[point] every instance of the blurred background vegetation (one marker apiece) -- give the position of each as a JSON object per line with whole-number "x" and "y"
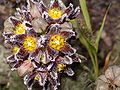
{"x": 108, "y": 52}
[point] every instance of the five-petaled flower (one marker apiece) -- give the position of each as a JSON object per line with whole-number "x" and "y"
{"x": 57, "y": 42}
{"x": 57, "y": 13}
{"x": 26, "y": 46}
{"x": 21, "y": 24}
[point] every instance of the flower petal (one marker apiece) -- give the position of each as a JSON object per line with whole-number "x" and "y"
{"x": 54, "y": 73}
{"x": 42, "y": 78}
{"x": 69, "y": 72}
{"x": 55, "y": 4}
{"x": 69, "y": 9}
{"x": 49, "y": 66}
{"x": 31, "y": 33}
{"x": 34, "y": 54}
{"x": 15, "y": 21}
{"x": 67, "y": 49}
{"x": 62, "y": 19}
{"x": 27, "y": 16}
{"x": 11, "y": 58}
{"x": 13, "y": 43}
{"x": 36, "y": 64}
{"x": 29, "y": 80}
{"x": 7, "y": 35}
{"x": 55, "y": 29}
{"x": 42, "y": 7}
{"x": 17, "y": 65}
{"x": 19, "y": 37}
{"x": 74, "y": 13}
{"x": 48, "y": 19}
{"x": 51, "y": 53}
{"x": 22, "y": 54}
{"x": 54, "y": 82}
{"x": 67, "y": 34}
{"x": 65, "y": 60}
{"x": 76, "y": 58}
{"x": 39, "y": 66}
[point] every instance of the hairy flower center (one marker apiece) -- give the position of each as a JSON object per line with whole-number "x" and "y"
{"x": 61, "y": 67}
{"x": 20, "y": 29}
{"x": 15, "y": 49}
{"x": 55, "y": 13}
{"x": 30, "y": 43}
{"x": 57, "y": 42}
{"x": 36, "y": 78}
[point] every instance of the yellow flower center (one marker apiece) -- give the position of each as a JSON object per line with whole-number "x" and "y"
{"x": 30, "y": 43}
{"x": 55, "y": 13}
{"x": 20, "y": 29}
{"x": 57, "y": 42}
{"x": 15, "y": 49}
{"x": 36, "y": 78}
{"x": 61, "y": 67}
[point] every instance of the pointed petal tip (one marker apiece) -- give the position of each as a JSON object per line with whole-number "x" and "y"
{"x": 67, "y": 49}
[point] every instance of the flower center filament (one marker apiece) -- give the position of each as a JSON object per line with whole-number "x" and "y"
{"x": 61, "y": 67}
{"x": 20, "y": 29}
{"x": 36, "y": 78}
{"x": 57, "y": 42}
{"x": 30, "y": 43}
{"x": 55, "y": 13}
{"x": 15, "y": 49}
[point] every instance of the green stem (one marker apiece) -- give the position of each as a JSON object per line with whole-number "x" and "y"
{"x": 94, "y": 60}
{"x": 92, "y": 52}
{"x": 93, "y": 55}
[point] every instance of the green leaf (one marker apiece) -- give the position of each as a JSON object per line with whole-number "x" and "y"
{"x": 101, "y": 28}
{"x": 85, "y": 14}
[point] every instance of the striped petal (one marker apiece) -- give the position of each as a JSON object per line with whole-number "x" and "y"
{"x": 42, "y": 7}
{"x": 29, "y": 80}
{"x": 55, "y": 4}
{"x": 69, "y": 72}
{"x": 15, "y": 21}
{"x": 8, "y": 35}
{"x": 19, "y": 37}
{"x": 74, "y": 13}
{"x": 13, "y": 43}
{"x": 34, "y": 55}
{"x": 31, "y": 33}
{"x": 17, "y": 65}
{"x": 42, "y": 78}
{"x": 22, "y": 54}
{"x": 67, "y": 49}
{"x": 11, "y": 59}
{"x": 52, "y": 53}
{"x": 55, "y": 29}
{"x": 67, "y": 34}
{"x": 65, "y": 60}
{"x": 69, "y": 9}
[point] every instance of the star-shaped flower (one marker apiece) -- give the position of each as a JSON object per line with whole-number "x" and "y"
{"x": 57, "y": 12}
{"x": 26, "y": 46}
{"x": 57, "y": 42}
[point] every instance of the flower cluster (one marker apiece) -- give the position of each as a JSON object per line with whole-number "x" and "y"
{"x": 41, "y": 57}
